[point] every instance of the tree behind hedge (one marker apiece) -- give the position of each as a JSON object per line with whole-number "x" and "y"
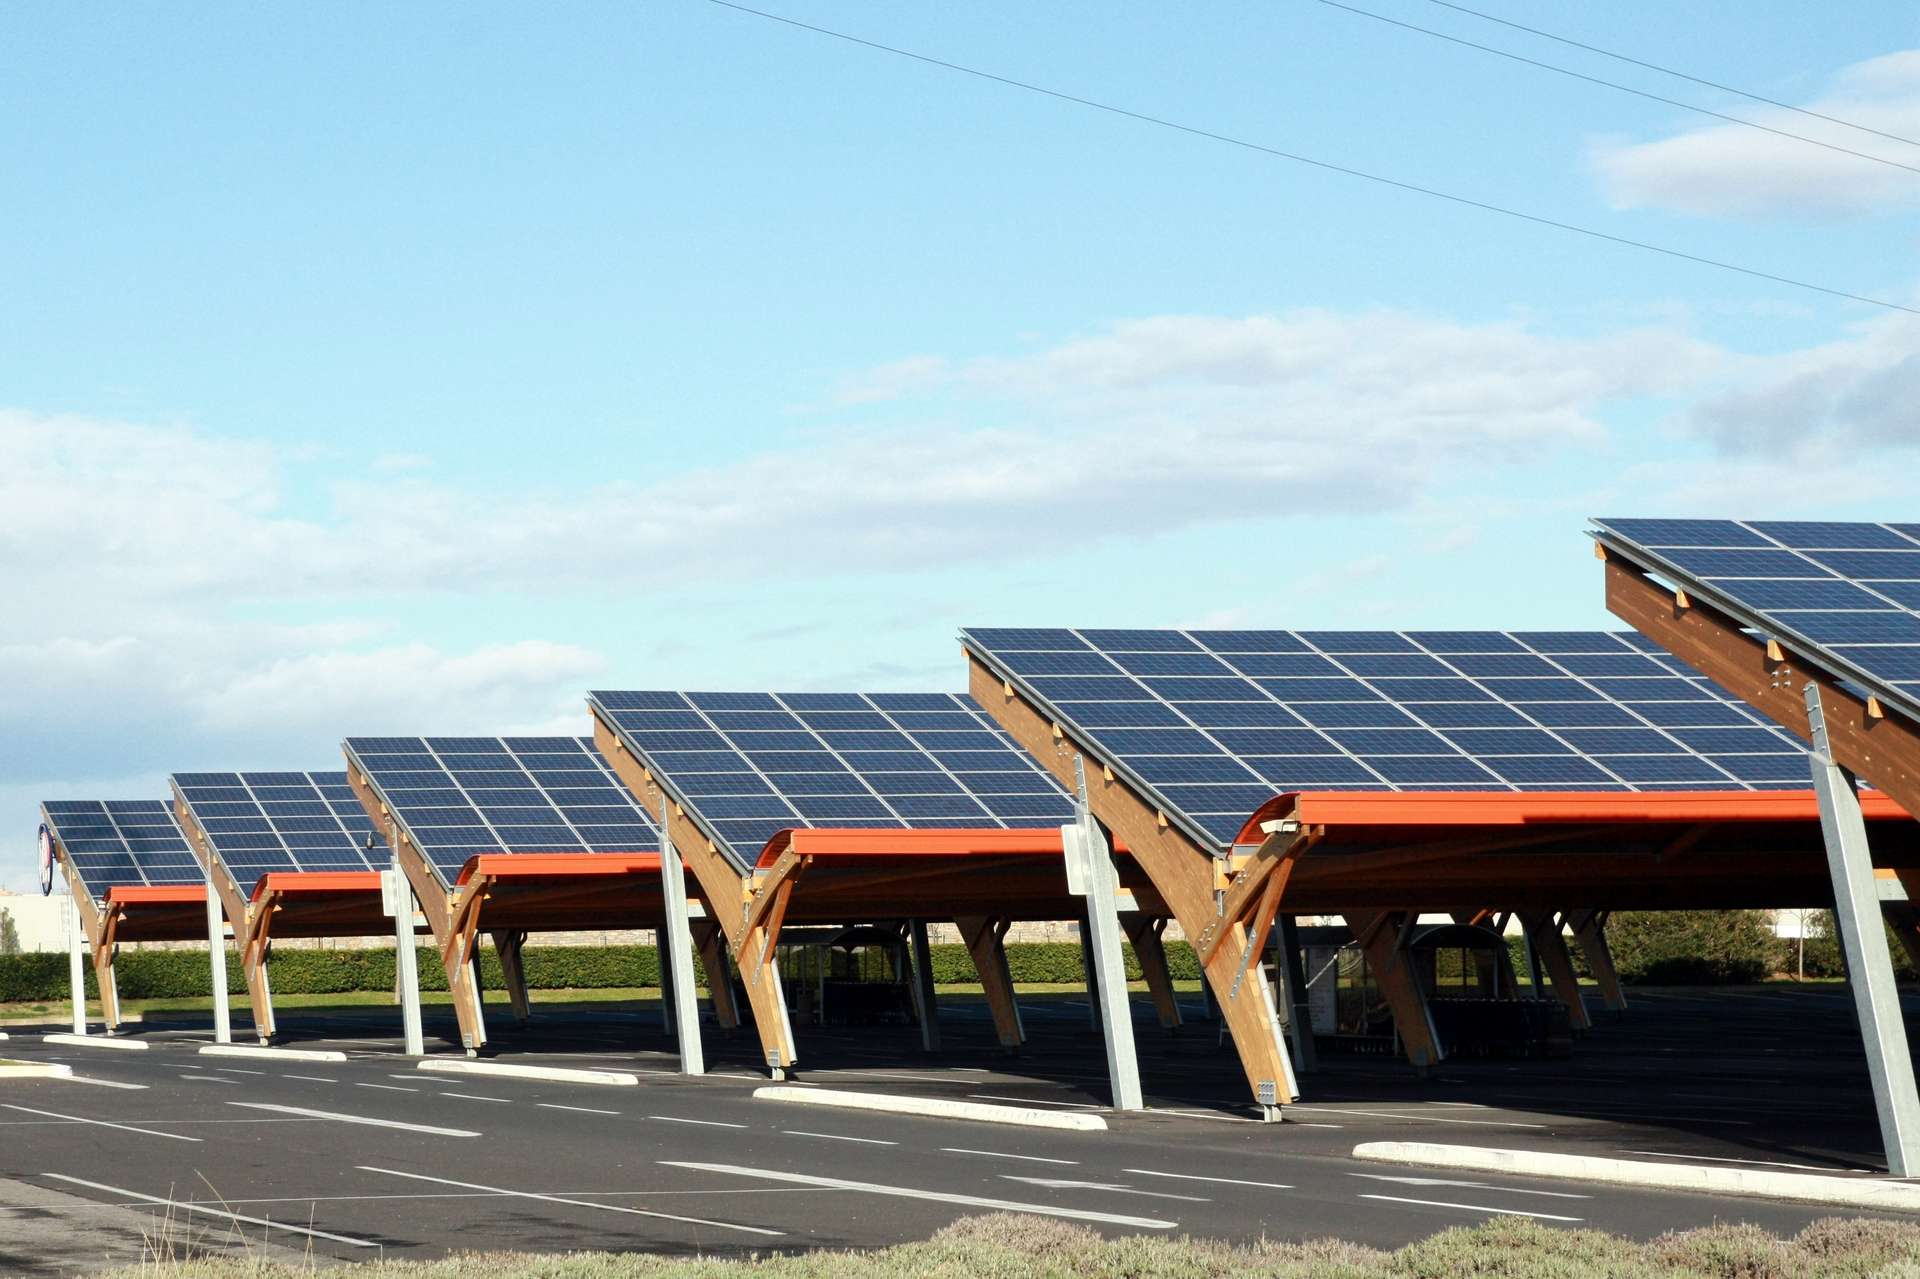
{"x": 1693, "y": 947}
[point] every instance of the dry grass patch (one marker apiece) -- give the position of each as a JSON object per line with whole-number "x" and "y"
{"x": 1006, "y": 1246}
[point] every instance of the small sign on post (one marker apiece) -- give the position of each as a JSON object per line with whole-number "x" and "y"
{"x": 388, "y": 896}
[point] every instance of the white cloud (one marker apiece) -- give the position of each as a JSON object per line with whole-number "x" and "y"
{"x": 1731, "y": 170}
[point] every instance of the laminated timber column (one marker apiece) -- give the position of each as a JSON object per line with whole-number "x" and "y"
{"x": 1185, "y": 875}
{"x": 1149, "y": 947}
{"x": 709, "y": 940}
{"x": 1590, "y": 932}
{"x": 240, "y": 914}
{"x": 1544, "y": 932}
{"x": 727, "y": 893}
{"x": 986, "y": 941}
{"x": 508, "y": 944}
{"x": 1380, "y": 941}
{"x": 436, "y": 903}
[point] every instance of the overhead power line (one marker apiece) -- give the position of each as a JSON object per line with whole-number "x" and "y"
{"x": 1622, "y": 88}
{"x": 1327, "y": 165}
{"x": 1680, "y": 75}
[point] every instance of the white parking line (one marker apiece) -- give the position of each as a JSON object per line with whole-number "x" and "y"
{"x": 208, "y": 1079}
{"x": 1224, "y": 1181}
{"x": 933, "y": 1196}
{"x": 470, "y": 1096}
{"x": 1001, "y": 1154}
{"x": 367, "y": 1120}
{"x": 585, "y": 1110}
{"x": 313, "y": 1079}
{"x": 99, "y": 1123}
{"x": 172, "y": 1205}
{"x": 1110, "y": 1187}
{"x": 834, "y": 1136}
{"x": 235, "y": 1070}
{"x": 575, "y": 1203}
{"x": 1505, "y": 1212}
{"x": 101, "y": 1083}
{"x": 387, "y": 1087}
{"x": 1423, "y": 1119}
{"x": 705, "y": 1123}
{"x": 1465, "y": 1185}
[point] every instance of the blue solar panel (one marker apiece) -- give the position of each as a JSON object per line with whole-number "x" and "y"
{"x": 457, "y": 798}
{"x": 287, "y": 822}
{"x": 1844, "y": 596}
{"x": 1548, "y": 710}
{"x": 122, "y": 843}
{"x": 934, "y": 761}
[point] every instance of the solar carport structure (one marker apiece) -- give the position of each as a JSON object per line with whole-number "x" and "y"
{"x": 1380, "y": 774}
{"x": 851, "y": 807}
{"x": 1817, "y": 625}
{"x": 504, "y": 835}
{"x": 288, "y": 855}
{"x": 131, "y": 877}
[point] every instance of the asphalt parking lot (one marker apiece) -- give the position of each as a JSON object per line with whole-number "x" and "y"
{"x": 370, "y": 1156}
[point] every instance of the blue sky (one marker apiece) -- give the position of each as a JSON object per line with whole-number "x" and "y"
{"x": 370, "y": 369}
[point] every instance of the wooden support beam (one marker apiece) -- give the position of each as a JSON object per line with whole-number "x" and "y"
{"x": 255, "y": 937}
{"x": 1882, "y": 749}
{"x": 1550, "y": 946}
{"x": 1379, "y": 937}
{"x": 508, "y": 944}
{"x": 238, "y": 911}
{"x": 709, "y": 940}
{"x": 723, "y": 887}
{"x": 102, "y": 952}
{"x": 1149, "y": 947}
{"x": 1259, "y": 881}
{"x": 1590, "y": 932}
{"x": 985, "y": 939}
{"x": 1183, "y": 874}
{"x": 458, "y": 956}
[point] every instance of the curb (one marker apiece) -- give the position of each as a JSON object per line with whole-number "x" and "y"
{"x": 558, "y": 1074}
{"x": 97, "y": 1041}
{"x": 288, "y": 1054}
{"x": 35, "y": 1070}
{"x": 934, "y": 1108}
{"x": 1863, "y": 1192}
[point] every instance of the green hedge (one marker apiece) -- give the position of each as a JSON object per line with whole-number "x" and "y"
{"x": 175, "y": 974}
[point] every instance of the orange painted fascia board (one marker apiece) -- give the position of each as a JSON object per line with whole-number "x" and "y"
{"x": 959, "y": 841}
{"x": 291, "y": 883}
{"x": 504, "y": 866}
{"x": 158, "y": 894}
{"x": 1445, "y": 810}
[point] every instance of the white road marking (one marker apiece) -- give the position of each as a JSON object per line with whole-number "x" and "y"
{"x": 101, "y": 1083}
{"x": 172, "y": 1205}
{"x": 705, "y": 1123}
{"x": 576, "y": 1203}
{"x": 1423, "y": 1119}
{"x": 235, "y": 1070}
{"x": 1225, "y": 1181}
{"x": 834, "y": 1136}
{"x": 469, "y": 1096}
{"x": 369, "y": 1121}
{"x": 1035, "y": 1101}
{"x": 208, "y": 1079}
{"x": 934, "y": 1196}
{"x": 387, "y": 1087}
{"x": 1111, "y": 1187}
{"x": 585, "y": 1110}
{"x": 1001, "y": 1154}
{"x": 99, "y": 1123}
{"x": 313, "y": 1079}
{"x": 1466, "y": 1185}
{"x": 1505, "y": 1212}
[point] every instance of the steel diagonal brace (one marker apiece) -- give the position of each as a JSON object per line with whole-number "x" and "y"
{"x": 1259, "y": 882}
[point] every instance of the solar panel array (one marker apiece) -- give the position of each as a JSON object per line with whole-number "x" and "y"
{"x": 271, "y": 822}
{"x": 121, "y": 843}
{"x": 459, "y": 797}
{"x": 1212, "y": 724}
{"x": 752, "y": 764}
{"x": 1848, "y": 593}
